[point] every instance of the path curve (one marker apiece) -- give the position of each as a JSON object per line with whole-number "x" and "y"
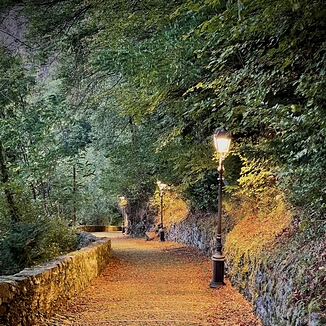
{"x": 155, "y": 283}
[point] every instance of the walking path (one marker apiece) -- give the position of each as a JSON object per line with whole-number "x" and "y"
{"x": 155, "y": 283}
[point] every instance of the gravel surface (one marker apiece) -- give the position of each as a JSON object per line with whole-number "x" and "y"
{"x": 155, "y": 283}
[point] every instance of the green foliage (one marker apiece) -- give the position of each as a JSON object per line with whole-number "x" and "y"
{"x": 203, "y": 195}
{"x": 256, "y": 177}
{"x": 260, "y": 71}
{"x": 5, "y": 4}
{"x": 129, "y": 56}
{"x": 154, "y": 79}
{"x": 31, "y": 125}
{"x": 30, "y": 243}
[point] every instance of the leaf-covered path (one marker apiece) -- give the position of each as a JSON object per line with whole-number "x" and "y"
{"x": 155, "y": 283}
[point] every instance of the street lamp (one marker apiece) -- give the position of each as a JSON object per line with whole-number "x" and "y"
{"x": 222, "y": 145}
{"x": 122, "y": 205}
{"x": 161, "y": 187}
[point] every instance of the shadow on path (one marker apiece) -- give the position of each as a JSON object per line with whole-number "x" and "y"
{"x": 155, "y": 283}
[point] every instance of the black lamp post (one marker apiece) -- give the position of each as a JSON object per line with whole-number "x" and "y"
{"x": 222, "y": 145}
{"x": 122, "y": 206}
{"x": 161, "y": 187}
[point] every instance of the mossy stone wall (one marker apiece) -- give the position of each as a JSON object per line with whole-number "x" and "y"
{"x": 263, "y": 274}
{"x": 33, "y": 293}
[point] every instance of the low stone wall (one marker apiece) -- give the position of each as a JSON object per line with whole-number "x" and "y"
{"x": 99, "y": 228}
{"x": 33, "y": 293}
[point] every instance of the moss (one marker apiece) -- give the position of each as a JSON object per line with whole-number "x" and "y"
{"x": 175, "y": 209}
{"x": 314, "y": 306}
{"x": 270, "y": 242}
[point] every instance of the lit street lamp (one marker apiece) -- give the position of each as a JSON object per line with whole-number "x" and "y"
{"x": 161, "y": 187}
{"x": 222, "y": 145}
{"x": 122, "y": 205}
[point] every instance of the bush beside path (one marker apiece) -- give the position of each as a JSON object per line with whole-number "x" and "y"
{"x": 155, "y": 283}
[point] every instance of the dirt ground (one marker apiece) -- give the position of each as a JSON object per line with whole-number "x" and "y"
{"x": 155, "y": 283}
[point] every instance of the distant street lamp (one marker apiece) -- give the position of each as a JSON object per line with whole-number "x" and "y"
{"x": 161, "y": 187}
{"x": 122, "y": 206}
{"x": 222, "y": 145}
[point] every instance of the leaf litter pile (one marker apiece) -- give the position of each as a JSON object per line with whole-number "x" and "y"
{"x": 155, "y": 283}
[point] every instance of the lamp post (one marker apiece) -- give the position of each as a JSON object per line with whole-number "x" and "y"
{"x": 161, "y": 187}
{"x": 222, "y": 145}
{"x": 122, "y": 205}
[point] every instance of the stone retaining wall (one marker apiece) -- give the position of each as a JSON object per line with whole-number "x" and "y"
{"x": 269, "y": 286}
{"x": 33, "y": 293}
{"x": 99, "y": 228}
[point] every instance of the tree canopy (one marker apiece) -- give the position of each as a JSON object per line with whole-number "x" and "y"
{"x": 170, "y": 73}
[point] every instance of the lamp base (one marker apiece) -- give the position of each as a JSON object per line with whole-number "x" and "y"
{"x": 218, "y": 272}
{"x": 216, "y": 285}
{"x": 162, "y": 236}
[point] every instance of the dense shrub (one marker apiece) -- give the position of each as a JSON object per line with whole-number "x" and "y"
{"x": 26, "y": 244}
